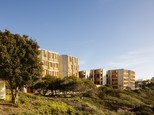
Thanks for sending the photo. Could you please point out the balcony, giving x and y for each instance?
(116, 77)
(125, 82)
(125, 79)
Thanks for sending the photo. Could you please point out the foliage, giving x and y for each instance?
(108, 90)
(127, 102)
(68, 85)
(143, 110)
(19, 62)
(152, 80)
(72, 83)
(48, 83)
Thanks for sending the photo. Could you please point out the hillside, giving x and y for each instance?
(107, 102)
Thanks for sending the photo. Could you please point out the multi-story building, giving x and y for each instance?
(98, 76)
(84, 74)
(121, 78)
(50, 62)
(68, 66)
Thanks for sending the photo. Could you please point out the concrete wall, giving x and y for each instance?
(2, 90)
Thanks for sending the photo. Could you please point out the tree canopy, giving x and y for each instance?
(19, 60)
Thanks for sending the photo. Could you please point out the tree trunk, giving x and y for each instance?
(16, 95)
(44, 92)
(12, 95)
(52, 92)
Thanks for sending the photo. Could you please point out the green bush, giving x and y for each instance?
(106, 90)
(143, 110)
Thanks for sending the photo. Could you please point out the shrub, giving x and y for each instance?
(143, 110)
(105, 90)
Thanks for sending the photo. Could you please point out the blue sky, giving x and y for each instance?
(101, 33)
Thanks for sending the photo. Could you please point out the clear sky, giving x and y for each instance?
(101, 33)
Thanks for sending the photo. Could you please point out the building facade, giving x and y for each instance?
(98, 76)
(121, 78)
(50, 61)
(68, 66)
(84, 74)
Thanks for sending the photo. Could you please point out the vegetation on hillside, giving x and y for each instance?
(95, 101)
(50, 85)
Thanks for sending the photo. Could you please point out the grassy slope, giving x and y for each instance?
(126, 103)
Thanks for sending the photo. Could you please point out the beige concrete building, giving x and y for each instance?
(98, 76)
(68, 66)
(121, 78)
(84, 74)
(50, 62)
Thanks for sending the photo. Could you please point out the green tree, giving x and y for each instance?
(48, 83)
(19, 61)
(72, 83)
(108, 90)
(82, 86)
(152, 80)
(89, 88)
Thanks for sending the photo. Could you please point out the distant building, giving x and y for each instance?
(68, 66)
(65, 65)
(121, 78)
(50, 61)
(2, 90)
(98, 76)
(84, 74)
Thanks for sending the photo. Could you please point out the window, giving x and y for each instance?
(48, 54)
(70, 59)
(46, 71)
(56, 56)
(50, 64)
(43, 53)
(53, 55)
